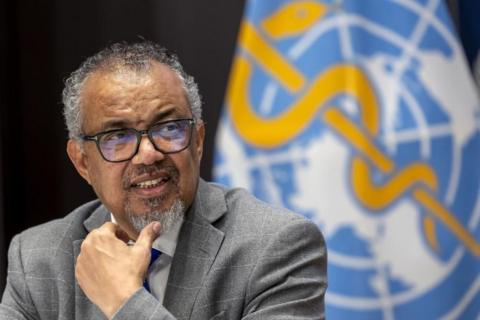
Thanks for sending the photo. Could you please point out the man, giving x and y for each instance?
(136, 136)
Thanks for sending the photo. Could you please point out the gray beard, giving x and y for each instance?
(167, 218)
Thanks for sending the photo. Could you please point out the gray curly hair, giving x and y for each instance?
(136, 56)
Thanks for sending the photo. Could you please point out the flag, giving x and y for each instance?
(363, 117)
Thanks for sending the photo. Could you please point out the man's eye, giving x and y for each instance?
(116, 136)
(168, 129)
(170, 126)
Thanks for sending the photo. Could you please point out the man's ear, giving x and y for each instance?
(200, 136)
(78, 158)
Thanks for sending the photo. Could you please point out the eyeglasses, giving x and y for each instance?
(122, 144)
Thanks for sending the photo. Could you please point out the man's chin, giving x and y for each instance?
(144, 206)
(140, 216)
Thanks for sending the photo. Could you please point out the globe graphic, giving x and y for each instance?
(382, 264)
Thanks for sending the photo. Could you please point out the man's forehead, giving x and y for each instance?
(119, 94)
(110, 84)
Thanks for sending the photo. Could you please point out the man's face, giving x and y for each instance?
(151, 181)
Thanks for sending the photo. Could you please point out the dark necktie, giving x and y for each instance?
(153, 256)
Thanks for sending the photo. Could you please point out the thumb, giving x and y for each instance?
(148, 235)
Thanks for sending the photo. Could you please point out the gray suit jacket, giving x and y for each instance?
(236, 258)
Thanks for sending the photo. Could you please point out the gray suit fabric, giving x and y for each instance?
(236, 258)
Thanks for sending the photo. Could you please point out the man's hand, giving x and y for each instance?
(108, 270)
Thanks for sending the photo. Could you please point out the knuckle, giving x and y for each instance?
(85, 245)
(96, 234)
(93, 234)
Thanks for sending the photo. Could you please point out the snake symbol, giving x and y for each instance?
(314, 97)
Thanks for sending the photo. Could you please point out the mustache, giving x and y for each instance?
(158, 168)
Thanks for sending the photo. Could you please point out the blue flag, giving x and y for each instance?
(363, 117)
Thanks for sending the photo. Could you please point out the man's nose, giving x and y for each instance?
(147, 154)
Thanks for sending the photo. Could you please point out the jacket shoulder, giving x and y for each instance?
(53, 232)
(242, 206)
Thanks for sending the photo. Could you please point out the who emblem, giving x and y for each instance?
(362, 116)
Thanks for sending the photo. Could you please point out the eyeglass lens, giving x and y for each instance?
(167, 137)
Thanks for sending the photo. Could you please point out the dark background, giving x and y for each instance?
(41, 42)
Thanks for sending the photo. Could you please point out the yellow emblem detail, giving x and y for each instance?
(441, 213)
(293, 18)
(363, 142)
(417, 179)
(271, 61)
(376, 197)
(430, 229)
(275, 131)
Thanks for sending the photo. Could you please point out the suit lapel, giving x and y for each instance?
(197, 247)
(84, 308)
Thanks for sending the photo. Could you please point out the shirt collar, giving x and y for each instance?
(166, 242)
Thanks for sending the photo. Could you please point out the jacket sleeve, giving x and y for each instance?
(16, 302)
(142, 305)
(289, 280)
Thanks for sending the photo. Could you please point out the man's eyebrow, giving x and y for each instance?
(115, 124)
(165, 114)
(162, 115)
